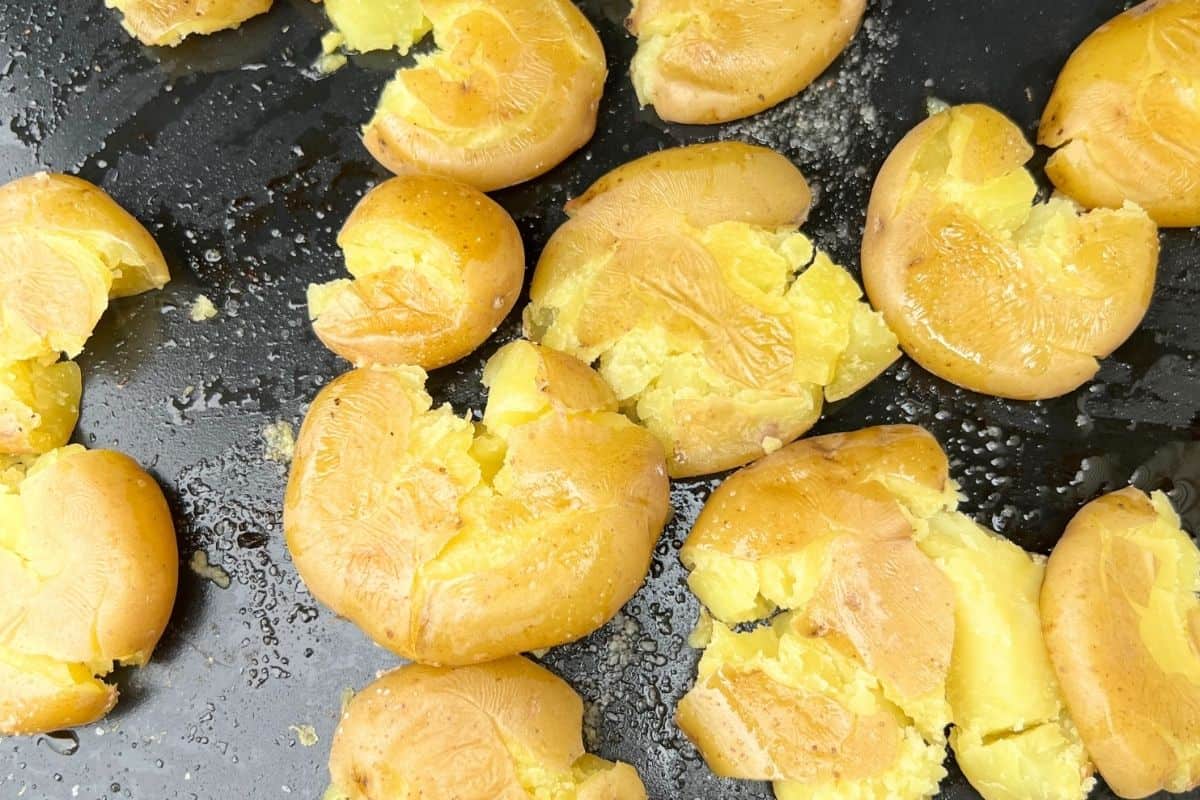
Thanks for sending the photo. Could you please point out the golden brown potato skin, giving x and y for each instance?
(969, 282)
(1122, 624)
(734, 58)
(169, 22)
(406, 313)
(513, 90)
(1124, 114)
(451, 734)
(90, 579)
(404, 519)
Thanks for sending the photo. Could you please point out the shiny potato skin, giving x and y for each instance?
(734, 59)
(533, 105)
(403, 314)
(169, 22)
(1121, 117)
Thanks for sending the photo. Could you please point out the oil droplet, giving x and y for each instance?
(65, 743)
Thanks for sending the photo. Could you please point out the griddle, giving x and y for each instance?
(243, 161)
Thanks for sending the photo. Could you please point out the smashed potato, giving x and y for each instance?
(1122, 624)
(720, 327)
(1012, 737)
(39, 405)
(511, 91)
(1125, 114)
(67, 248)
(715, 60)
(437, 266)
(169, 22)
(506, 730)
(90, 567)
(454, 543)
(845, 694)
(986, 289)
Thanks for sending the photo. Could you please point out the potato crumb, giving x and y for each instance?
(279, 442)
(330, 63)
(306, 735)
(202, 309)
(200, 565)
(770, 444)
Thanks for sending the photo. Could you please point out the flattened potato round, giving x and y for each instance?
(512, 91)
(169, 22)
(66, 247)
(1125, 114)
(719, 326)
(437, 266)
(709, 61)
(986, 289)
(39, 405)
(450, 543)
(1122, 624)
(89, 564)
(505, 730)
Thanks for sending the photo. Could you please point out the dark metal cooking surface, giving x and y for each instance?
(244, 164)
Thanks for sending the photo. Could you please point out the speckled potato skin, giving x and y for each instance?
(735, 58)
(169, 22)
(1122, 624)
(398, 315)
(522, 94)
(90, 581)
(1125, 117)
(975, 308)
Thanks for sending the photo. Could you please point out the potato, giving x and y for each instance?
(90, 567)
(512, 91)
(169, 22)
(1122, 624)
(378, 25)
(845, 694)
(708, 61)
(986, 289)
(453, 543)
(719, 326)
(39, 405)
(437, 267)
(68, 247)
(1124, 115)
(506, 730)
(1012, 737)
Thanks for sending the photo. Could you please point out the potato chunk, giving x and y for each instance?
(505, 730)
(39, 405)
(986, 289)
(89, 565)
(1125, 114)
(169, 22)
(455, 543)
(720, 327)
(708, 61)
(511, 91)
(1122, 624)
(437, 265)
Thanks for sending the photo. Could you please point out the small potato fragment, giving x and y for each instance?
(437, 266)
(505, 730)
(1122, 625)
(986, 289)
(718, 325)
(511, 92)
(39, 405)
(1125, 114)
(710, 61)
(90, 567)
(169, 22)
(378, 25)
(453, 543)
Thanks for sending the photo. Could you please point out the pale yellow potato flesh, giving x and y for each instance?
(511, 91)
(1122, 625)
(378, 25)
(454, 543)
(710, 61)
(169, 22)
(1125, 114)
(719, 326)
(39, 405)
(504, 730)
(90, 567)
(986, 289)
(436, 266)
